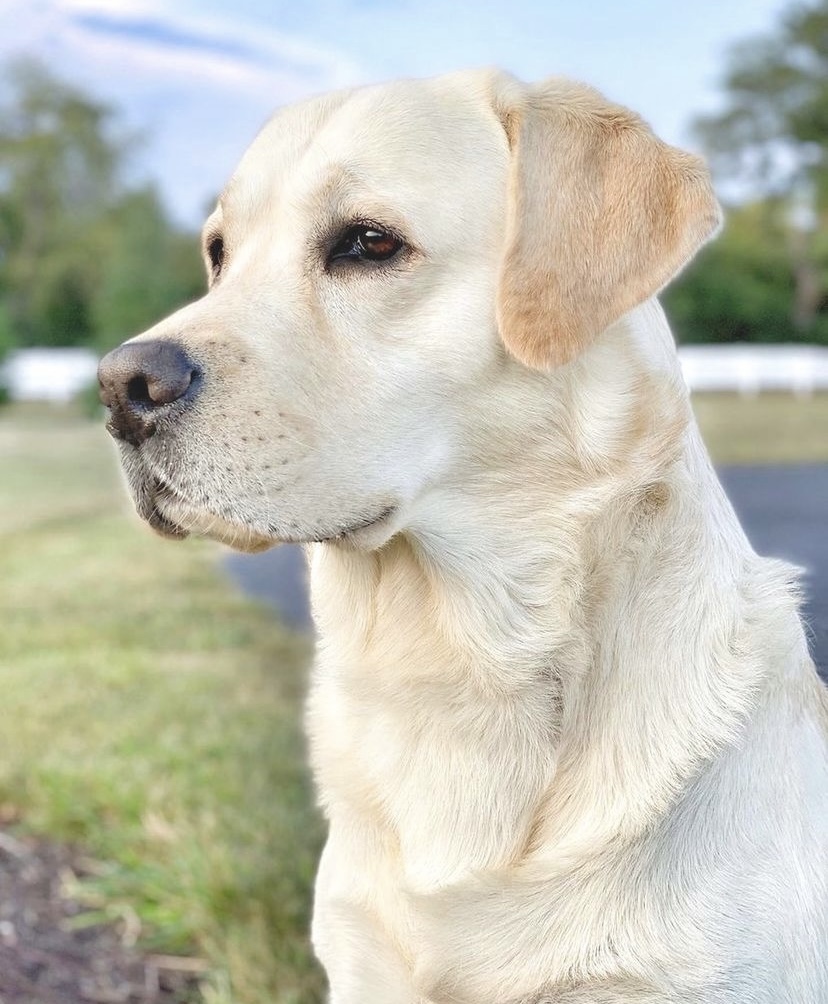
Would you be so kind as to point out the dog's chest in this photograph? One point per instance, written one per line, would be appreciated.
(450, 780)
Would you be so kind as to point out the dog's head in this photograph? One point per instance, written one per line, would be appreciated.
(379, 259)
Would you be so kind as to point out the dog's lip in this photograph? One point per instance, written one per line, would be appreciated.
(158, 490)
(356, 528)
(235, 535)
(151, 491)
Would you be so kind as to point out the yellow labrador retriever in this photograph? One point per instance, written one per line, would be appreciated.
(563, 720)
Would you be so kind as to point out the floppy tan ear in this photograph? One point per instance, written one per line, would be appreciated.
(601, 216)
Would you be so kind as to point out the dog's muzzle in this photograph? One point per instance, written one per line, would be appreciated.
(140, 382)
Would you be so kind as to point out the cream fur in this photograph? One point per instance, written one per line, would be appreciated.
(563, 721)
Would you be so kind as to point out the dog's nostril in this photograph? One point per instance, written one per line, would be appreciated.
(138, 392)
(149, 390)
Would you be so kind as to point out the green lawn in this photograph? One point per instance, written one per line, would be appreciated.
(152, 715)
(769, 429)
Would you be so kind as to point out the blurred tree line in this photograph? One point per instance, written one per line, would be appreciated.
(85, 257)
(765, 279)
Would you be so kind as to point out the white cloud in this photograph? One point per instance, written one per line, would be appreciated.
(211, 47)
(199, 87)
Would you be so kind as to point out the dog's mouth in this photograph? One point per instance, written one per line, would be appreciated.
(170, 511)
(154, 498)
(149, 494)
(356, 531)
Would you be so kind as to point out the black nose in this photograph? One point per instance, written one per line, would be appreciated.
(138, 380)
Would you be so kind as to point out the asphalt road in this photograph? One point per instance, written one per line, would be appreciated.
(783, 509)
(785, 513)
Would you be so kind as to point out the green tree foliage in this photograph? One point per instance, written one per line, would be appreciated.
(741, 286)
(774, 130)
(766, 278)
(83, 259)
(150, 268)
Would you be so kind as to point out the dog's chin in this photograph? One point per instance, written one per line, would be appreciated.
(173, 516)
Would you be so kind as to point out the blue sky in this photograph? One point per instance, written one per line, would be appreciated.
(198, 79)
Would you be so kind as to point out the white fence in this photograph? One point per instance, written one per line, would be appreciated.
(55, 375)
(59, 374)
(750, 369)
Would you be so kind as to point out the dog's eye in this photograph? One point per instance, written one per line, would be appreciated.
(365, 243)
(215, 253)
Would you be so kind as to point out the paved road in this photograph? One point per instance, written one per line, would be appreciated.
(785, 513)
(784, 510)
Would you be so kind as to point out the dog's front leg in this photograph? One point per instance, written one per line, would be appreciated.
(360, 965)
(359, 958)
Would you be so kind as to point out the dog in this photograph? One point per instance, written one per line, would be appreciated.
(564, 725)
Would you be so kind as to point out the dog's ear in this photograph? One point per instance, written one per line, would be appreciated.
(601, 215)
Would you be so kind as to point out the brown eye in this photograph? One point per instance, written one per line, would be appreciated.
(365, 243)
(215, 253)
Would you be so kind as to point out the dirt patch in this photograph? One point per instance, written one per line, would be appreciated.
(54, 950)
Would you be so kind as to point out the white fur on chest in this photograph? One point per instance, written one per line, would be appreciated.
(477, 855)
(450, 771)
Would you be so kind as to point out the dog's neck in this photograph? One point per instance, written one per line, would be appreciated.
(518, 613)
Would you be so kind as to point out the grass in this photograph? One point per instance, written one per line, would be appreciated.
(152, 715)
(769, 429)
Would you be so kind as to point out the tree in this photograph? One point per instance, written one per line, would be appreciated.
(774, 130)
(58, 169)
(149, 269)
(772, 138)
(740, 288)
(83, 259)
